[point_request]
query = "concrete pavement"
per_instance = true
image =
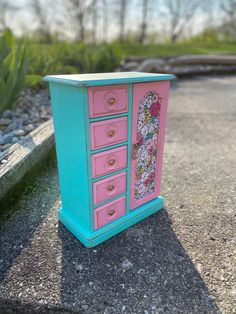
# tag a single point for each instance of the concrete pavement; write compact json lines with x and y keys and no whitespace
{"x":180,"y":260}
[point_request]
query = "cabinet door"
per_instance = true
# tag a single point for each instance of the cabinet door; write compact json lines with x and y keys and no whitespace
{"x":148,"y":127}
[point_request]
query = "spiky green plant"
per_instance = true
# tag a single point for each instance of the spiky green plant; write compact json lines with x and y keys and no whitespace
{"x":13,"y":70}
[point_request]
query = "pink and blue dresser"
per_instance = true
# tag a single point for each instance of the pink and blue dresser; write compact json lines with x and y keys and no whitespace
{"x":109,"y":131}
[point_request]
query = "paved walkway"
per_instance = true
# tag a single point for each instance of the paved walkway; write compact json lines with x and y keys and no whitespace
{"x":180,"y":260}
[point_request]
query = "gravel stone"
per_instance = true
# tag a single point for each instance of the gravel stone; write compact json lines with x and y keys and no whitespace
{"x":7,"y":138}
{"x":85,"y":306}
{"x":7,"y":114}
{"x":5,"y":147}
{"x":19,"y":132}
{"x":28,"y":128}
{"x":19,"y":123}
{"x":32,"y":110}
{"x":4,"y":122}
{"x":15,"y":140}
{"x":11,"y":127}
{"x":126,"y":264}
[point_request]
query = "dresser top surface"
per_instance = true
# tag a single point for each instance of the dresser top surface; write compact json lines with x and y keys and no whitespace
{"x":94,"y":79}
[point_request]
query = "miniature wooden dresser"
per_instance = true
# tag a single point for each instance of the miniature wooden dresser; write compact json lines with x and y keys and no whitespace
{"x":109,"y":131}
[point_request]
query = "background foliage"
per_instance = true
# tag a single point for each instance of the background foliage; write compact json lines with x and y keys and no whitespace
{"x":73,"y":36}
{"x":13,"y":70}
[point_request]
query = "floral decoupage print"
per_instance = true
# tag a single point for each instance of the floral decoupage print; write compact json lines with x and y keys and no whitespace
{"x":147,"y":140}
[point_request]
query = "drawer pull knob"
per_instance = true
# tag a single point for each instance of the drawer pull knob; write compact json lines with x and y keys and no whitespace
{"x":110,"y":187}
{"x":111,"y":133}
{"x":112,"y":101}
{"x":112,"y":212}
{"x":111,"y":162}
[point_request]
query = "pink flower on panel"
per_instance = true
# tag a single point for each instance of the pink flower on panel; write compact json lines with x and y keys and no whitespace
{"x":154,"y":109}
{"x":140,"y":139}
{"x":150,"y":151}
{"x":152,"y":176}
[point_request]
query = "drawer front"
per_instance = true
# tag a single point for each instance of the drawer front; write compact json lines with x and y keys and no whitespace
{"x":109,"y":212}
{"x":109,"y":187}
{"x":107,"y":100}
{"x":108,"y":132}
{"x":109,"y":161}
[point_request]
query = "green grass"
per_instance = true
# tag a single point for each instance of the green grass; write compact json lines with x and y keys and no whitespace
{"x":66,"y":58}
{"x":165,"y":50}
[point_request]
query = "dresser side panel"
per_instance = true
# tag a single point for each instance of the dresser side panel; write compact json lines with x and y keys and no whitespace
{"x":70,"y":118}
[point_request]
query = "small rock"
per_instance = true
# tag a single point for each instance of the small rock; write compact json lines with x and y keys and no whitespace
{"x":19,"y":132}
{"x":233,"y":292}
{"x":25,"y":116}
{"x":11,"y":127}
{"x":25,"y":119}
{"x":19,"y":110}
{"x":5,"y":122}
{"x":44,"y":117}
{"x":7,"y":114}
{"x":199,"y":267}
{"x":37,"y":104}
{"x":79,"y":267}
{"x":140,"y":271}
{"x":19,"y":123}
{"x":15,"y":140}
{"x":34,"y":115}
{"x":28,"y":128}
{"x":127,"y":264}
{"x":7,"y":138}
{"x":6,"y":146}
{"x":26,"y":122}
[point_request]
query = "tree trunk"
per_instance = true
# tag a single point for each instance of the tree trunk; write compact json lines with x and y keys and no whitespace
{"x":105,"y":20}
{"x":94,"y":21}
{"x":143,"y":29}
{"x":122,"y":19}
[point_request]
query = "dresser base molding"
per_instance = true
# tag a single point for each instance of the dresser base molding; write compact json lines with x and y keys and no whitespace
{"x":94,"y":238}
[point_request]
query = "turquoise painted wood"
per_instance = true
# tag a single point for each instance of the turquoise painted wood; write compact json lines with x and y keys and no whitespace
{"x":74,"y":97}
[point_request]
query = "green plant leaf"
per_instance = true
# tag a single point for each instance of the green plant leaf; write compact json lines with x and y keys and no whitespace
{"x":32,"y":79}
{"x":9,"y":38}
{"x":14,"y":67}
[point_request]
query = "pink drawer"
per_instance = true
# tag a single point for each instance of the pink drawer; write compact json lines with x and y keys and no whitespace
{"x":108,"y":132}
{"x":109,"y":212}
{"x":109,"y":161}
{"x":109,"y":187}
{"x":107,"y":100}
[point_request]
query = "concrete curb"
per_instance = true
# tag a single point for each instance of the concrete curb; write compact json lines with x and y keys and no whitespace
{"x":20,"y":158}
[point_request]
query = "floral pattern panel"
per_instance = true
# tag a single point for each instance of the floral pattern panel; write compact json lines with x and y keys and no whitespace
{"x":147,"y":144}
